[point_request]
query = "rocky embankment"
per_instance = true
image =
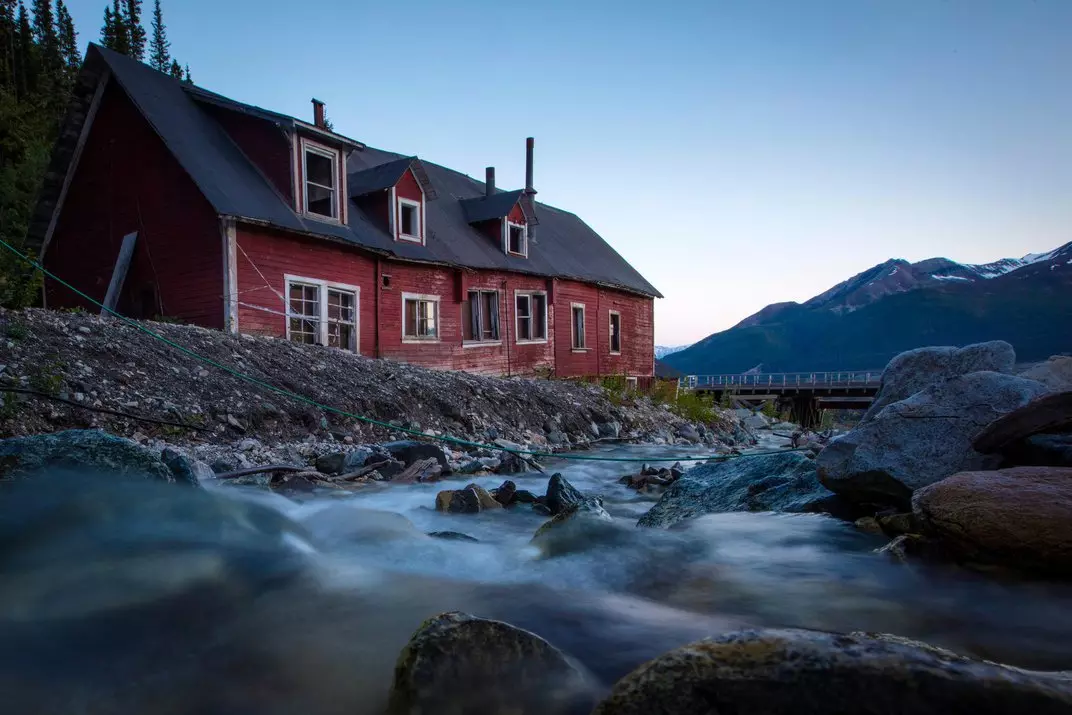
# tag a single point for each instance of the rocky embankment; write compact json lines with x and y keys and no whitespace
{"x":76,"y":371}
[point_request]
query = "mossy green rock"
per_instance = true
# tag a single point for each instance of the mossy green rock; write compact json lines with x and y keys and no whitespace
{"x":797,"y":672}
{"x":80,"y":451}
{"x":457,"y":664}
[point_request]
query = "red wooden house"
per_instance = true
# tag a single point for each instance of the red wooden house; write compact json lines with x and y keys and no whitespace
{"x":256,"y":222}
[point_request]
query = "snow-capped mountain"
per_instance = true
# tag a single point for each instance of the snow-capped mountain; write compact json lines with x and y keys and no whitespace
{"x":897,"y":305}
{"x":662,"y":351}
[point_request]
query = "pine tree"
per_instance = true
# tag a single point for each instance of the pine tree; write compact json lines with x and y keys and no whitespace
{"x":115,"y":34}
{"x":48,"y":46}
{"x":68,"y":39}
{"x":7,"y":44}
{"x":186,"y":76}
{"x":175,"y":70}
{"x":160,"y":48}
{"x":25,"y":55}
{"x":135,"y":32}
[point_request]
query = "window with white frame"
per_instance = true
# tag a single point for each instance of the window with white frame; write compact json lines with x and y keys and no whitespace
{"x":321,"y":172}
{"x":480,"y":316}
{"x":530,"y":311}
{"x":577,"y":326}
{"x":409,"y":220}
{"x":615,"y":332}
{"x":517,"y":242}
{"x":320,"y":313}
{"x":420,"y":317}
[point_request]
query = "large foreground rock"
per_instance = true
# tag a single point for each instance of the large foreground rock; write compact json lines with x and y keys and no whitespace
{"x":773,"y":482}
{"x":913,"y":370}
{"x":1055,"y":373}
{"x":796,"y":672}
{"x":84,"y":451}
{"x":456,"y":663}
{"x":922,"y":439}
{"x":1020,"y":516}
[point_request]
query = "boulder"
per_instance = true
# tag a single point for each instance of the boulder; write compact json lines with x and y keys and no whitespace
{"x":524,"y":496}
{"x":786,"y":481}
{"x":339,"y":462}
{"x":83,"y":451}
{"x":896,"y":524}
{"x":561,"y":494}
{"x":798,"y":672}
{"x":451,"y":536}
{"x":1050,"y":413}
{"x":922,"y":439}
{"x":505,"y":493}
{"x":1041,"y":450}
{"x":914,"y":370}
{"x":1055,"y":373}
{"x":1020,"y":516}
{"x":487,"y":501}
{"x":688,"y":432}
{"x":185,"y":469}
{"x":458,"y":501}
{"x":576,"y":529}
{"x":456,"y":663}
{"x":410,"y":451}
{"x":390,"y":470}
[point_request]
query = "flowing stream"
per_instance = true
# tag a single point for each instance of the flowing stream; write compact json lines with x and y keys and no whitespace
{"x":760,"y":569}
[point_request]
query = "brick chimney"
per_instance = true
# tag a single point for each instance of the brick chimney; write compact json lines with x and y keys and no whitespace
{"x":318,"y":113}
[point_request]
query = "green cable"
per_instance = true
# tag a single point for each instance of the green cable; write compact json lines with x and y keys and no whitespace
{"x":368,"y":420}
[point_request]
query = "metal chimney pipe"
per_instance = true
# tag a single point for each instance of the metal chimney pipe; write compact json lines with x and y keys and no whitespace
{"x":318,"y":113}
{"x":489,"y":181}
{"x":528,"y":164}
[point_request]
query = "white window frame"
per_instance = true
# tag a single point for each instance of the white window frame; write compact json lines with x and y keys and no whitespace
{"x":438,"y":318}
{"x":418,"y":207}
{"x":517,"y":318}
{"x":610,"y":332}
{"x":583,"y":347}
{"x":498,"y":299}
{"x":507,"y":225}
{"x":306,"y":147}
{"x":324,"y":287}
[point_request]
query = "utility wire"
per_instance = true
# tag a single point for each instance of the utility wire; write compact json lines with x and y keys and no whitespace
{"x":361,"y":418}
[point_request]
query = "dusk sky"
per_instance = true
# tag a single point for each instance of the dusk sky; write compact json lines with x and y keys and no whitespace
{"x":737,"y":153}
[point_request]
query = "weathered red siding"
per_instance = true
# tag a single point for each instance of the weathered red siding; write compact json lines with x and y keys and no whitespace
{"x":408,"y":188}
{"x":127,"y":180}
{"x":265,"y":256}
{"x":638,"y":331}
{"x":263,"y":142}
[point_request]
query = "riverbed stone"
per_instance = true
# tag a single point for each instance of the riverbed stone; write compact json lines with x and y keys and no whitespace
{"x":186,"y":470}
{"x":1021,"y":517}
{"x":576,"y":529}
{"x":922,"y":439}
{"x":82,"y":451}
{"x":457,"y":663}
{"x":914,"y":370}
{"x":798,"y":672}
{"x":1055,"y":373}
{"x":505,"y":493}
{"x":410,"y":451}
{"x":487,"y":501}
{"x":561,"y":494}
{"x":785,"y":482}
{"x":458,"y":501}
{"x":688,"y":432}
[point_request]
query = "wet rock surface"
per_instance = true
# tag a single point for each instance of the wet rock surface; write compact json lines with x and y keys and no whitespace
{"x":1021,"y":516}
{"x":456,"y":663}
{"x":88,"y":451}
{"x":796,"y":672}
{"x":785,"y":482}
{"x":921,"y":439}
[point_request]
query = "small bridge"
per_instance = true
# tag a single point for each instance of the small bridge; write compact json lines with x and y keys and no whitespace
{"x":806,"y":394}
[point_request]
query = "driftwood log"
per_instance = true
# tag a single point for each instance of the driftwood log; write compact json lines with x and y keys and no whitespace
{"x":1052,"y":413}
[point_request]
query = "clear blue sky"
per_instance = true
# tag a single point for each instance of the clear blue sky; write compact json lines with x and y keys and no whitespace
{"x":737,"y":152}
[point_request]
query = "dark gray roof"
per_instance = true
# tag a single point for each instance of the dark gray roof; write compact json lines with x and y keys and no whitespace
{"x":377,"y":178}
{"x":484,"y":208}
{"x":563,"y":245}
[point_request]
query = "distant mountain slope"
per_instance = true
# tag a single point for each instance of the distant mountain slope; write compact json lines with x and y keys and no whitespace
{"x":662,"y":351}
{"x":862,"y":322}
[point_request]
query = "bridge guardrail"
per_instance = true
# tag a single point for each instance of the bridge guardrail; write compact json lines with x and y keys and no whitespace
{"x":843,"y":378}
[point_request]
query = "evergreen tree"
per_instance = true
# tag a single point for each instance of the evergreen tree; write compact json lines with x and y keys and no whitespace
{"x":186,"y":76}
{"x":160,"y":48}
{"x":7,"y":44}
{"x":175,"y":70}
{"x":68,"y":39}
{"x":44,"y":33}
{"x":25,"y":56}
{"x":115,"y":34}
{"x":135,"y":32}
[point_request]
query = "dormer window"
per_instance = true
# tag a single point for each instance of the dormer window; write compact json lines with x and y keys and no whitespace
{"x":409,"y":221}
{"x":321,"y":171}
{"x":517,"y":240}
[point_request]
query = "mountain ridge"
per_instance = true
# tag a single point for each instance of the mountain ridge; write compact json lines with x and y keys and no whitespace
{"x":896,"y":305}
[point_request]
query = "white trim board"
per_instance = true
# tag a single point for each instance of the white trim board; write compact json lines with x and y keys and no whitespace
{"x":309,"y":146}
{"x":438,"y":316}
{"x":289,"y":278}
